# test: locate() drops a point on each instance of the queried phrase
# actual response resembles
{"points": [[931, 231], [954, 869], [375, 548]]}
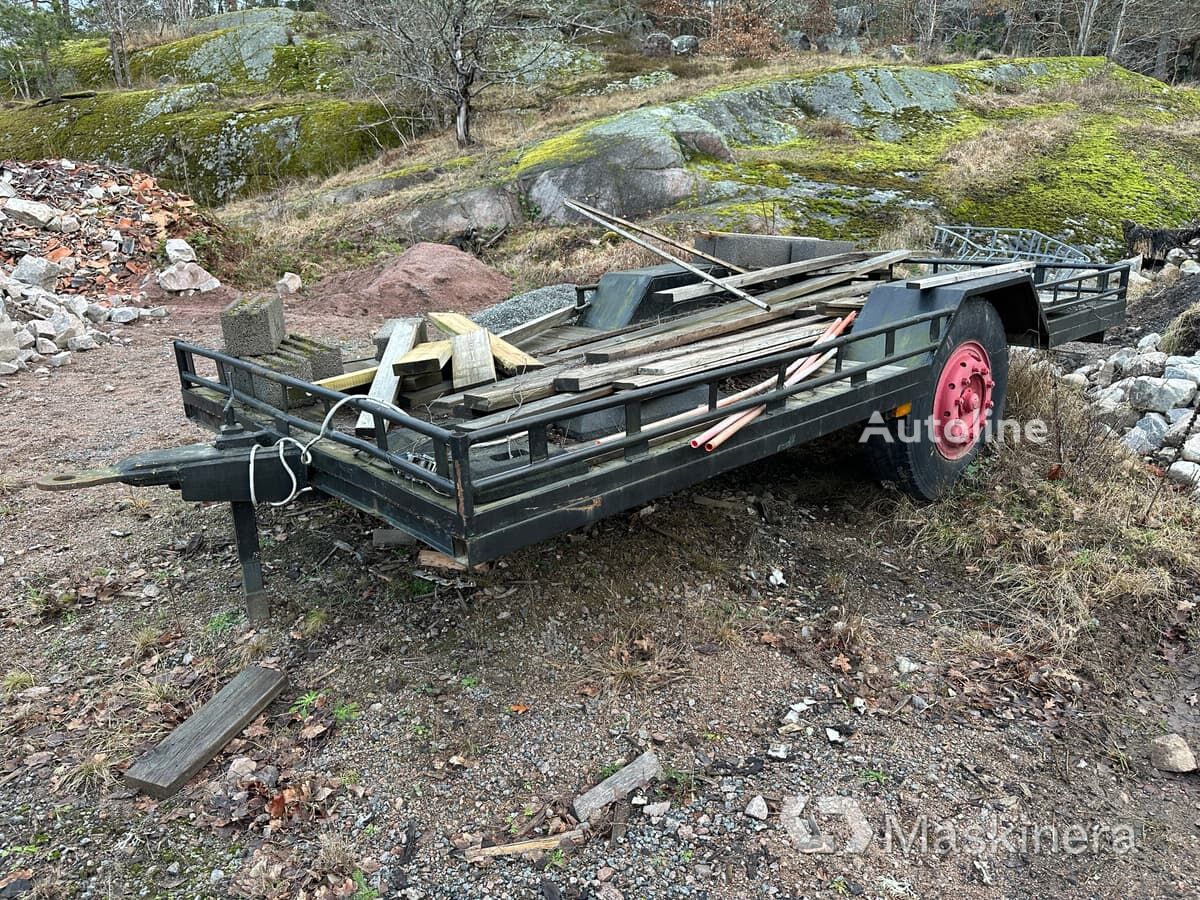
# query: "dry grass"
{"points": [[1071, 534], [536, 256], [15, 681], [1182, 338], [636, 660], [998, 155], [914, 232]]}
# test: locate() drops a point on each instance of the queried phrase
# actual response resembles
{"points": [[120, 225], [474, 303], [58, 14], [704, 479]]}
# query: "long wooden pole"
{"points": [[700, 273], [656, 235]]}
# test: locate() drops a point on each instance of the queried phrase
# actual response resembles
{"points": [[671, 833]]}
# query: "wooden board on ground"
{"points": [[510, 360], [431, 356], [554, 842], [618, 785], [405, 334], [187, 749], [472, 362]]}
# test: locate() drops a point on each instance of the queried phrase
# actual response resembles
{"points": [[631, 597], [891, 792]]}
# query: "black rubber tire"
{"points": [[916, 467]]}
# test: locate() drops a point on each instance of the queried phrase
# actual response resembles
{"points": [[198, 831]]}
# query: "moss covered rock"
{"points": [[212, 149], [851, 152]]}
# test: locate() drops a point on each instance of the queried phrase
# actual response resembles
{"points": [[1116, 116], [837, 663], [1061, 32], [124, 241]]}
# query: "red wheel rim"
{"points": [[962, 400]]}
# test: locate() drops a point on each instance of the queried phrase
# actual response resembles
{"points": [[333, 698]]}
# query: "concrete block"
{"points": [[326, 360], [253, 326], [286, 364]]}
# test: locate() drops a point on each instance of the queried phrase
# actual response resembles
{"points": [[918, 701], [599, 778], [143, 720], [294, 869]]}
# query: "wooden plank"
{"points": [[187, 749], [348, 380], [417, 382], [726, 319], [511, 360], [970, 274], [617, 786], [472, 362], [554, 842], [536, 407], [846, 273], [535, 327], [758, 276], [425, 397], [739, 352], [405, 333], [431, 356]]}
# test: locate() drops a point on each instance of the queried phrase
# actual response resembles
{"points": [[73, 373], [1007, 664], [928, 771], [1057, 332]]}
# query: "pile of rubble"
{"points": [[78, 245], [1152, 400]]}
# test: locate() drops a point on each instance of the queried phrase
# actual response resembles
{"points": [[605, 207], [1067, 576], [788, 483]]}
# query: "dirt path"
{"points": [[422, 716]]}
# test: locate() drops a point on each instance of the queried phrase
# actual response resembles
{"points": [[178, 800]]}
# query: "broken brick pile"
{"points": [[78, 243]]}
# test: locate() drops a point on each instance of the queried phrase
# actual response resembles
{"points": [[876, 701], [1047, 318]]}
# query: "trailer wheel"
{"points": [[925, 451]]}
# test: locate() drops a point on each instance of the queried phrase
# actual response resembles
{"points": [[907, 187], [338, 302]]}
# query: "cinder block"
{"points": [[286, 364], [253, 326], [326, 360]]}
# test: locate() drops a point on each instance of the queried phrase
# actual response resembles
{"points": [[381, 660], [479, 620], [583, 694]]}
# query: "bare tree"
{"points": [[452, 51]]}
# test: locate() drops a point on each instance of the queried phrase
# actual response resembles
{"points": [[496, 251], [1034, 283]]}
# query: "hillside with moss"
{"points": [[869, 151], [245, 101]]}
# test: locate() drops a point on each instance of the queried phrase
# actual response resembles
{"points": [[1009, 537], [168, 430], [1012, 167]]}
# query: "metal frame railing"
{"points": [[452, 448], [977, 243]]}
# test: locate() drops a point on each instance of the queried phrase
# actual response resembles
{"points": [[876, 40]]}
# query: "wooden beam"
{"points": [[511, 360], [758, 276], [349, 379], [431, 356], [187, 749], [846, 273], [541, 324], [970, 274], [405, 333], [554, 842], [617, 786], [533, 408], [472, 362]]}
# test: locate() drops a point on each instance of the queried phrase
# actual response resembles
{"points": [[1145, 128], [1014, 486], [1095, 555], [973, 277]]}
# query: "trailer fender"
{"points": [[1013, 295]]}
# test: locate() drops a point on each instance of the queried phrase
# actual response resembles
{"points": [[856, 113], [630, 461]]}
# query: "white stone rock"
{"points": [[187, 276], [36, 271], [1160, 394], [1150, 341], [290, 283], [1176, 256], [1191, 449], [1184, 473], [59, 360], [757, 808], [1147, 435], [96, 313], [179, 251], [155, 312], [124, 315], [9, 368], [1190, 267], [30, 212], [83, 342], [46, 347], [9, 346], [1150, 362], [1171, 753]]}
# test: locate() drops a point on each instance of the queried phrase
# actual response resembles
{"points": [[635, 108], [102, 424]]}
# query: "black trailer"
{"points": [[918, 350]]}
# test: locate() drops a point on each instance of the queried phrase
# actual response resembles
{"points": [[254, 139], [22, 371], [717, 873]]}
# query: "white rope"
{"points": [[305, 455]]}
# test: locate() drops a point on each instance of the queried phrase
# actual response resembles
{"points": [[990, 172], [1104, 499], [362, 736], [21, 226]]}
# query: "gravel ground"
{"points": [[523, 307], [772, 634]]}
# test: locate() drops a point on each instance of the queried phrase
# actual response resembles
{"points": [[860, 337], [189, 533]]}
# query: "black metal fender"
{"points": [[1013, 294]]}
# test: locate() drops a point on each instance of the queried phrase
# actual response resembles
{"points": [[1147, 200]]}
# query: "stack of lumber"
{"points": [[447, 365], [813, 294]]}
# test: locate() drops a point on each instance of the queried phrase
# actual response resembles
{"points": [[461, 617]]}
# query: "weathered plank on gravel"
{"points": [[617, 786], [405, 333], [187, 749]]}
